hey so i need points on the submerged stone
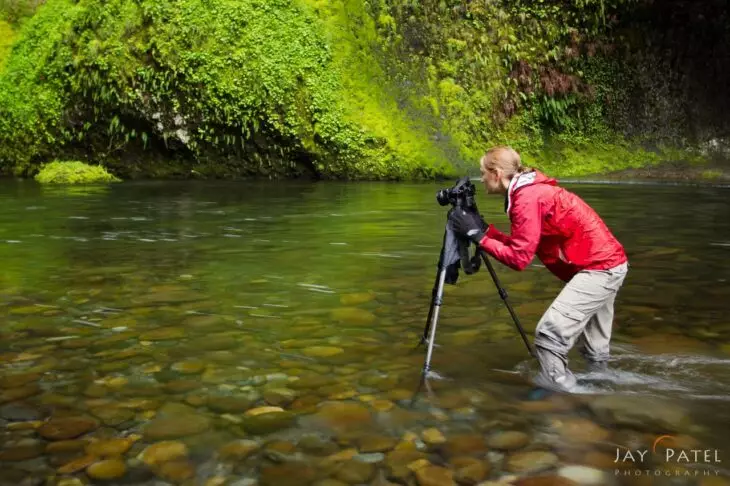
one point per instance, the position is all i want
(176, 427)
(63, 428)
(107, 469)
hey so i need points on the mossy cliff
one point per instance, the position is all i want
(341, 88)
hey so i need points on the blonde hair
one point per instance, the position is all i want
(505, 158)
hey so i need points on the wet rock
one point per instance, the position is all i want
(355, 472)
(15, 394)
(262, 410)
(238, 450)
(181, 386)
(464, 445)
(109, 447)
(22, 450)
(77, 464)
(287, 474)
(176, 471)
(468, 470)
(434, 476)
(322, 351)
(545, 481)
(18, 380)
(163, 452)
(279, 397)
(357, 298)
(22, 412)
(381, 405)
(575, 429)
(163, 334)
(586, 476)
(530, 462)
(642, 413)
(268, 423)
(64, 428)
(353, 315)
(376, 443)
(189, 367)
(113, 416)
(344, 415)
(508, 441)
(66, 446)
(433, 437)
(175, 427)
(329, 482)
(396, 463)
(312, 444)
(232, 403)
(107, 469)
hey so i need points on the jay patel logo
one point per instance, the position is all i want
(636, 458)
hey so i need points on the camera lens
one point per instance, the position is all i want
(443, 197)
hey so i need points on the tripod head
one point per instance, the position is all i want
(461, 197)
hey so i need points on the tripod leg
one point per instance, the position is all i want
(434, 293)
(503, 295)
(436, 308)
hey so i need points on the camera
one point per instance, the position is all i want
(461, 195)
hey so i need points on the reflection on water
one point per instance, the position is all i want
(234, 333)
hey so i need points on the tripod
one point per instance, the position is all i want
(470, 266)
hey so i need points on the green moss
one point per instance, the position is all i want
(7, 37)
(73, 172)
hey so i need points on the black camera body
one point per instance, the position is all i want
(461, 195)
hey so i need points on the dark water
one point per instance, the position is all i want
(152, 312)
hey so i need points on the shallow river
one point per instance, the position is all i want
(242, 334)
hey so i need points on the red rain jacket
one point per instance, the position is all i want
(564, 232)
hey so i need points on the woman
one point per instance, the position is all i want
(572, 241)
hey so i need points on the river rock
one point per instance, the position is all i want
(468, 470)
(433, 436)
(344, 415)
(583, 475)
(107, 469)
(176, 471)
(279, 397)
(576, 429)
(545, 481)
(238, 450)
(396, 462)
(189, 367)
(175, 427)
(64, 428)
(18, 380)
(287, 474)
(62, 446)
(77, 464)
(109, 447)
(434, 476)
(357, 298)
(162, 452)
(113, 416)
(322, 351)
(355, 472)
(262, 410)
(15, 394)
(163, 334)
(530, 462)
(315, 445)
(22, 412)
(353, 315)
(232, 403)
(376, 443)
(642, 413)
(464, 445)
(22, 450)
(508, 441)
(268, 422)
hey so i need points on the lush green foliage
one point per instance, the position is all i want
(344, 88)
(73, 172)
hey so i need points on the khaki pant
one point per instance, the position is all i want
(582, 311)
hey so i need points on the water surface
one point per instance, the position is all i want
(148, 312)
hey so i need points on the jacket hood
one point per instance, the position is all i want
(526, 179)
